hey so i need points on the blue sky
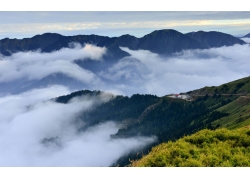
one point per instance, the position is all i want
(27, 22)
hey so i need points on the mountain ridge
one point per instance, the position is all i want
(165, 41)
(123, 103)
(246, 36)
(213, 39)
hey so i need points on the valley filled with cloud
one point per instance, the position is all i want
(141, 72)
(37, 132)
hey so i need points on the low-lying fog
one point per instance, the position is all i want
(37, 132)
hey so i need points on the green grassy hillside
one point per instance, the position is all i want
(240, 86)
(238, 114)
(207, 148)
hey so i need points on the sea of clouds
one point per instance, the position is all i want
(38, 132)
(141, 72)
(148, 73)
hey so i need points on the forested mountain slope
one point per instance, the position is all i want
(170, 118)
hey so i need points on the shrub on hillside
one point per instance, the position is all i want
(205, 148)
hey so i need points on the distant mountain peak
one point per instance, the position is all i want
(164, 31)
(126, 35)
(247, 36)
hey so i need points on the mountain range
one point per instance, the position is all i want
(165, 41)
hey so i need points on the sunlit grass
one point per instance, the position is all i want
(207, 148)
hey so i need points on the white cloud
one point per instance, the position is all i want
(15, 104)
(181, 72)
(36, 133)
(126, 69)
(37, 65)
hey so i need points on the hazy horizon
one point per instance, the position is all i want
(25, 24)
